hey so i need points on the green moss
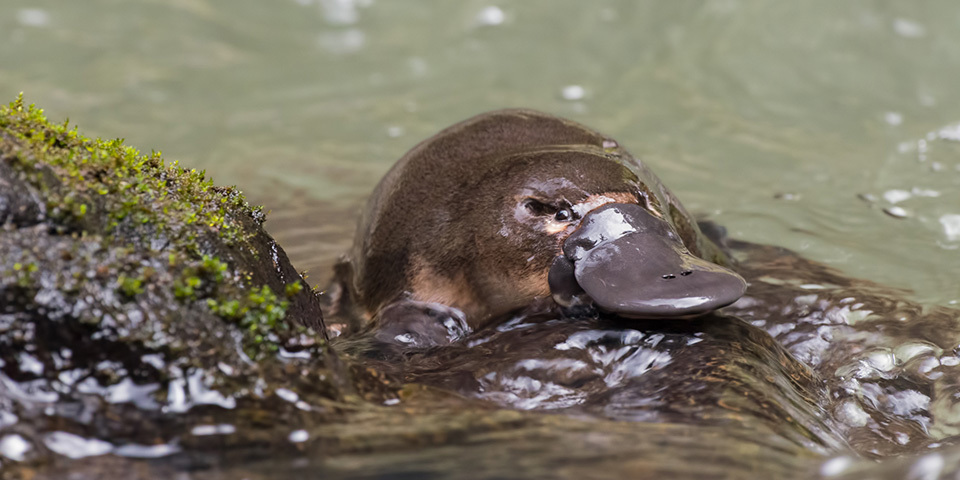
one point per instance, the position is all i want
(260, 314)
(105, 189)
(23, 273)
(137, 189)
(130, 286)
(292, 289)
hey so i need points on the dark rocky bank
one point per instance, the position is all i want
(139, 302)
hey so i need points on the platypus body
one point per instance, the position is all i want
(517, 210)
(590, 270)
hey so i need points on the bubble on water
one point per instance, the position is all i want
(850, 413)
(552, 365)
(896, 196)
(893, 118)
(526, 393)
(33, 17)
(206, 430)
(907, 402)
(908, 28)
(226, 369)
(581, 340)
(928, 467)
(7, 419)
(855, 316)
(342, 12)
(298, 436)
(75, 446)
(490, 16)
(909, 350)
(925, 368)
(950, 132)
(135, 450)
(29, 363)
(881, 359)
(835, 466)
(951, 226)
(639, 362)
(573, 92)
(184, 393)
(896, 212)
(543, 383)
(924, 192)
(155, 360)
(806, 300)
(14, 447)
(38, 391)
(789, 196)
(288, 395)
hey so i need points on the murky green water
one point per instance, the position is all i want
(306, 103)
(794, 124)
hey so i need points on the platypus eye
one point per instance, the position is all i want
(539, 208)
(562, 213)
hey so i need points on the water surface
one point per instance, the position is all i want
(829, 128)
(770, 118)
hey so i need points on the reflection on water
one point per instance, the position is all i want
(829, 128)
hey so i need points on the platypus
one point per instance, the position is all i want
(518, 210)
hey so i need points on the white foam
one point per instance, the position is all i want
(298, 436)
(33, 17)
(14, 447)
(75, 446)
(206, 430)
(491, 16)
(951, 226)
(573, 92)
(908, 28)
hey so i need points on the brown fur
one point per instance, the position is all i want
(444, 226)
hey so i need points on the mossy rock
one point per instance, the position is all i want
(138, 300)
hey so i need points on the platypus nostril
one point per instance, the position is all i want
(669, 276)
(686, 272)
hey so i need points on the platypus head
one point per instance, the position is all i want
(586, 230)
(517, 208)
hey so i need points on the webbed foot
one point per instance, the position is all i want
(409, 323)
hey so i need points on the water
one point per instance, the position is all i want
(769, 118)
(828, 128)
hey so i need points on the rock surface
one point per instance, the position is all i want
(144, 309)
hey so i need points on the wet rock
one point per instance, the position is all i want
(139, 303)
